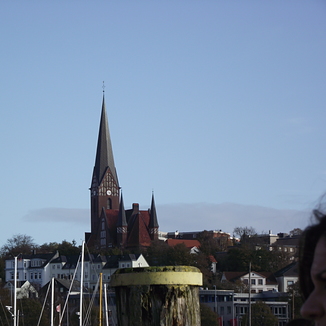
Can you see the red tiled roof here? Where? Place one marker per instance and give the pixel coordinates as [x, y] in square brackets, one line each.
[188, 243]
[138, 234]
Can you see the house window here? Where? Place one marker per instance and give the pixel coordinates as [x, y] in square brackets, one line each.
[253, 281]
[109, 203]
[32, 275]
[260, 281]
[290, 283]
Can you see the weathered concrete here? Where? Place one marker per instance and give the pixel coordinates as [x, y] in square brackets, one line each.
[158, 296]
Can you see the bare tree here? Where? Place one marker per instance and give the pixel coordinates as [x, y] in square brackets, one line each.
[244, 232]
[18, 244]
[296, 231]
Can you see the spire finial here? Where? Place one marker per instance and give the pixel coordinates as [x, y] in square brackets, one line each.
[103, 86]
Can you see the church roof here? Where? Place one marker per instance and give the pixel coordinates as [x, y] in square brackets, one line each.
[138, 234]
[104, 154]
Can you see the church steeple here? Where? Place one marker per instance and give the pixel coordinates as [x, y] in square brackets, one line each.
[105, 189]
[104, 154]
[111, 224]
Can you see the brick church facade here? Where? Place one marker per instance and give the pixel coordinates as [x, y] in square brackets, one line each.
[111, 224]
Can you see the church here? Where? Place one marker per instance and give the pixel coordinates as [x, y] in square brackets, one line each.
[111, 224]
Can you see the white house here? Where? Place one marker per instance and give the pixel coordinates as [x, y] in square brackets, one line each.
[287, 276]
[259, 282]
[33, 268]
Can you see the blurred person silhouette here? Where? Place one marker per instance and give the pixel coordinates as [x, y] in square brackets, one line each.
[312, 270]
[299, 322]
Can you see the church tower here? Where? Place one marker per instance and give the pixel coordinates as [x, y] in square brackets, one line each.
[105, 191]
[111, 224]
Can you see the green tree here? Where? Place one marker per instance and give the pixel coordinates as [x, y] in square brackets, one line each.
[157, 254]
[261, 315]
[30, 311]
[5, 316]
[180, 255]
[210, 245]
[208, 316]
[238, 258]
[64, 248]
[295, 300]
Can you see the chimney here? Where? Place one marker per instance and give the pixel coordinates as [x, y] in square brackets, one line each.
[135, 208]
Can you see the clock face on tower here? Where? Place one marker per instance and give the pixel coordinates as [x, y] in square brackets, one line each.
[108, 192]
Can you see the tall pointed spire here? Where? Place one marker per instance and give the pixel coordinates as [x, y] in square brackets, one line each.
[122, 221]
[122, 225]
[153, 224]
[104, 153]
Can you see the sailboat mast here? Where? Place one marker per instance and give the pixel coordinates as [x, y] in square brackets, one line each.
[106, 307]
[101, 295]
[15, 293]
[81, 286]
[52, 301]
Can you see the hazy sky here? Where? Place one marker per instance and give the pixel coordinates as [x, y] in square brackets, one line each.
[217, 106]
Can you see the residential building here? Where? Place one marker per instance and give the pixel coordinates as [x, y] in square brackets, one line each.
[24, 289]
[287, 276]
[34, 268]
[221, 237]
[39, 271]
[126, 261]
[287, 244]
[259, 282]
[231, 306]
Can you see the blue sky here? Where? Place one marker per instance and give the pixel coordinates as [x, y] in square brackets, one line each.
[217, 106]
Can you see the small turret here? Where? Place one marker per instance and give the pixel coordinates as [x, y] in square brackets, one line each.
[153, 224]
